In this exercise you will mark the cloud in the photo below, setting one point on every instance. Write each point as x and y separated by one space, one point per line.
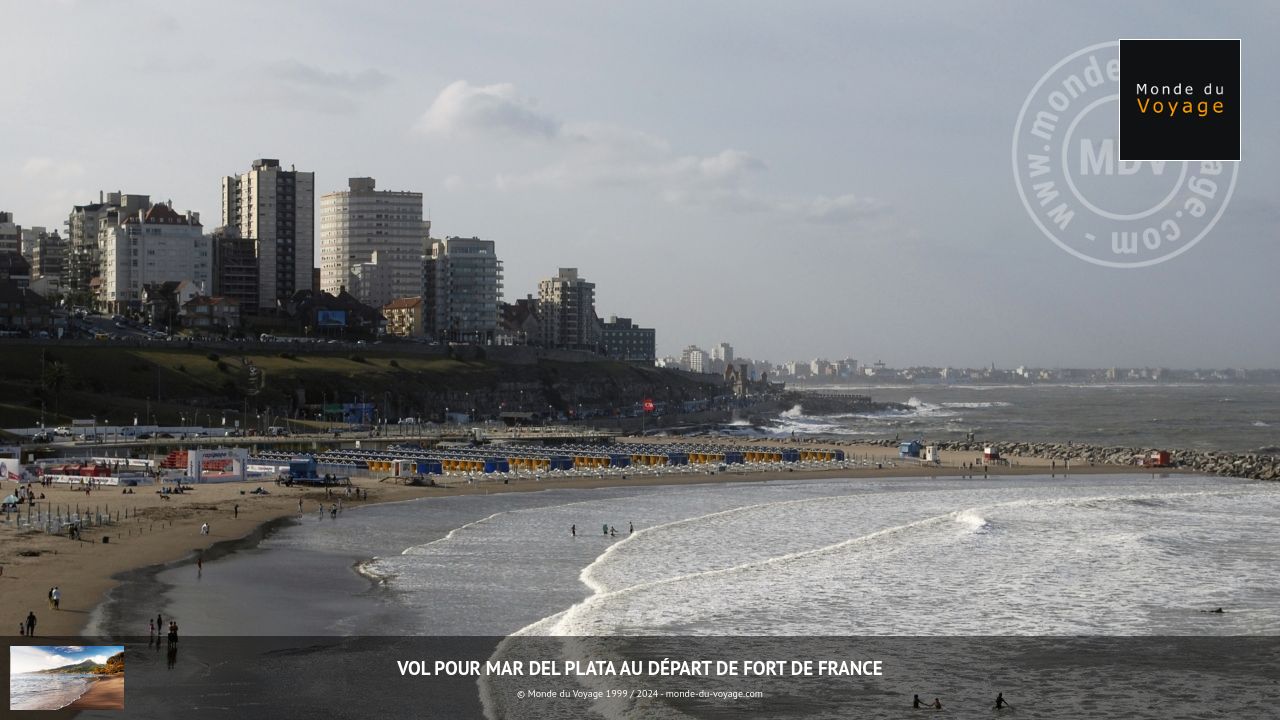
299 73
46 168
24 659
301 87
463 108
592 155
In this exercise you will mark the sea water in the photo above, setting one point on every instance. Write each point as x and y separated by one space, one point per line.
40 691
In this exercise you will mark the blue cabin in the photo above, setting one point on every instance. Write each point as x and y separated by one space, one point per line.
430 467
910 449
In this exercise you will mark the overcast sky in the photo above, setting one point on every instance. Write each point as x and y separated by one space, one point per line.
799 179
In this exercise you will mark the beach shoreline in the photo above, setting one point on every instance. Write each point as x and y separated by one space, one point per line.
103 694
164 534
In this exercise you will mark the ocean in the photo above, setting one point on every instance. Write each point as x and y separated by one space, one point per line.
38 691
1025 555
795 567
1227 417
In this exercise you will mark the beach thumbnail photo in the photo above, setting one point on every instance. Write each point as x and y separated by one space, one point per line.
75 677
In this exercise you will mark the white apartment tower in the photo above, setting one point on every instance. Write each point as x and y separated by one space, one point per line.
276 209
371 242
153 246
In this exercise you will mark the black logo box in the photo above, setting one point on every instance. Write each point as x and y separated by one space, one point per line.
1184 64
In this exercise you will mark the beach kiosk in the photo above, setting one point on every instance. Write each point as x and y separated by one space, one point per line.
990 454
1159 458
909 449
931 454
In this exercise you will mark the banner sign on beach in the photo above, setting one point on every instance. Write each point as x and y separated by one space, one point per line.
10 463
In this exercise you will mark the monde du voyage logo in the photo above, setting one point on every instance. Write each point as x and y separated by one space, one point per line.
1127 169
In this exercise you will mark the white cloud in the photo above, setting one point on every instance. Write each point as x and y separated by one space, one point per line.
463 108
25 659
591 155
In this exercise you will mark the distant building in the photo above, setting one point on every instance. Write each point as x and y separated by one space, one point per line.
151 247
405 317
15 269
46 252
341 315
519 323
10 233
161 303
567 305
235 269
462 282
211 314
86 225
275 208
20 308
722 352
695 359
621 339
371 242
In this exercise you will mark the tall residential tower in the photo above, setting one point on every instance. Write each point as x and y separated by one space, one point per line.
371 242
275 208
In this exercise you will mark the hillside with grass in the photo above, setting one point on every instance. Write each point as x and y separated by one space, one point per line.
164 384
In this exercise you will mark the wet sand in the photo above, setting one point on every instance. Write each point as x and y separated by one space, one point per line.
104 694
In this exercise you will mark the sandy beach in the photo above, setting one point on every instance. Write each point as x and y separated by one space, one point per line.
156 531
104 694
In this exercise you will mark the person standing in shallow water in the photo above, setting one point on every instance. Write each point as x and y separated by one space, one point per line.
573 530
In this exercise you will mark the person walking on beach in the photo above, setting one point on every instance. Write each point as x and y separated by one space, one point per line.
31 624
631 527
235 511
204 529
56 594
50 594
573 530
299 506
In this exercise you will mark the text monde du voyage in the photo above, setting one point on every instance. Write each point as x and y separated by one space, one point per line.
1180 99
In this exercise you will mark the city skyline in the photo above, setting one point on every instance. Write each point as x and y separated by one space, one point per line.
776 172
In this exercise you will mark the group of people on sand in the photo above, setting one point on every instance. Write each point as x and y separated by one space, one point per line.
918 704
157 626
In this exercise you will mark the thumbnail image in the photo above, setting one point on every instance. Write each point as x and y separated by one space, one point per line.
52 677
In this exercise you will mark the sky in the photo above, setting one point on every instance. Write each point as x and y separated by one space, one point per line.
31 658
819 179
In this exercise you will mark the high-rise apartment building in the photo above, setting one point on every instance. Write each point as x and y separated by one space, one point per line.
275 208
235 268
567 304
152 247
462 289
85 227
371 242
